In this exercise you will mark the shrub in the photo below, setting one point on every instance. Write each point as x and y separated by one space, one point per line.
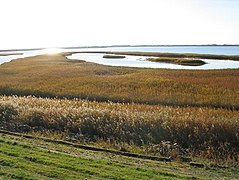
7 112
37 119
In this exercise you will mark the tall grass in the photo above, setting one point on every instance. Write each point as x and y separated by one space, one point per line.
213 133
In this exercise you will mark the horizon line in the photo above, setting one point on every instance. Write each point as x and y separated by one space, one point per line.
106 46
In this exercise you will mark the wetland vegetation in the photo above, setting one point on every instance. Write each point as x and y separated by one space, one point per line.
114 56
179 61
56 76
176 114
204 132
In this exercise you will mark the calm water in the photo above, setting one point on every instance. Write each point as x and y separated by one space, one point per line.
136 61
226 50
4 59
140 62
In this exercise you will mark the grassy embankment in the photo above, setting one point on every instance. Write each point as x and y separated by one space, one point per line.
40 158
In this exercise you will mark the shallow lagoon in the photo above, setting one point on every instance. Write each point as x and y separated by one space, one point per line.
140 62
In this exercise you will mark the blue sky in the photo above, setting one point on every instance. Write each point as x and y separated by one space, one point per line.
57 23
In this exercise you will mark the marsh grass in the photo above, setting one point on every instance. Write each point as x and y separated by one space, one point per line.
206 132
196 109
114 57
180 61
56 76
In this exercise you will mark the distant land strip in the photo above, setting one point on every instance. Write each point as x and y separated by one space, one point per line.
10 54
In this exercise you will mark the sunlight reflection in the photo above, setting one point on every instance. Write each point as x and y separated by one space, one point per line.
52 50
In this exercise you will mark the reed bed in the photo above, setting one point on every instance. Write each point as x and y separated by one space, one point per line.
180 61
208 132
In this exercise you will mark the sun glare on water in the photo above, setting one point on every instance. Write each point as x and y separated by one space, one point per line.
52 50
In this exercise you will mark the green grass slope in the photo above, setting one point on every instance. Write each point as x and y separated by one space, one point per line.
23 158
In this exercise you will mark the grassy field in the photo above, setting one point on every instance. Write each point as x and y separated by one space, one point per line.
54 75
40 158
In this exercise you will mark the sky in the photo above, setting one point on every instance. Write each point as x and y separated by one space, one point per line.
62 23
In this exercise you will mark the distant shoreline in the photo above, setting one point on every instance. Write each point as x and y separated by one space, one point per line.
78 47
11 54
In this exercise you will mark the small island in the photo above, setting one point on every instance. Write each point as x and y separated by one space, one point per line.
114 56
178 61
